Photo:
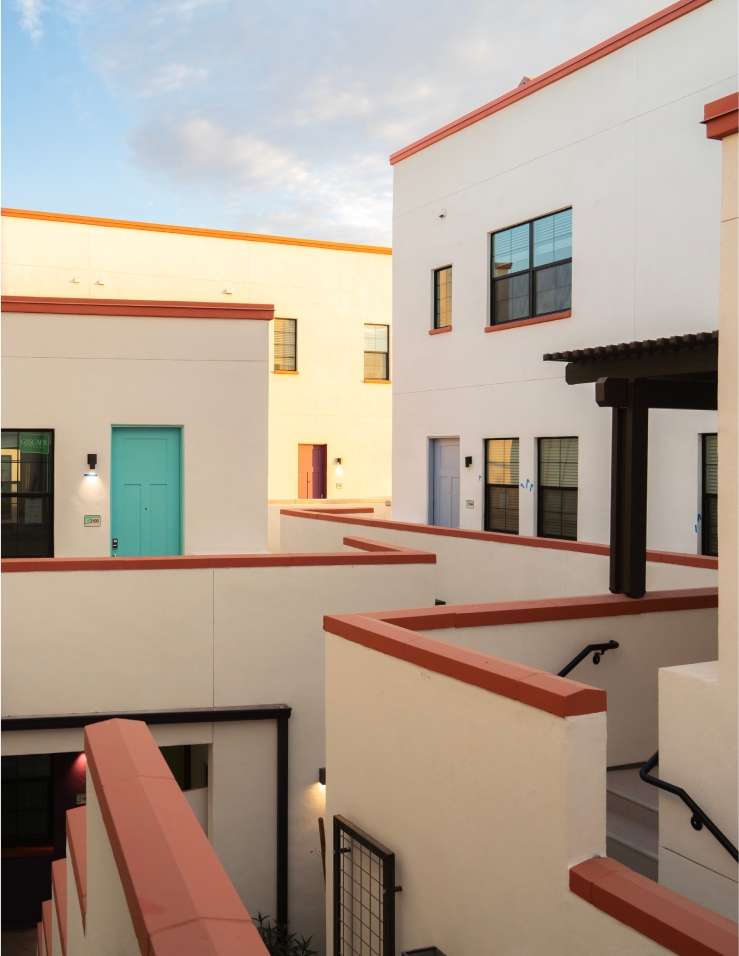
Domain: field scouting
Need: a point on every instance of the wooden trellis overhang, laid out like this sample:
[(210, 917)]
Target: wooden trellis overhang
[(676, 372)]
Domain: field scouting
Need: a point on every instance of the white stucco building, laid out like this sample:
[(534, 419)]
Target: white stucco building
[(595, 166)]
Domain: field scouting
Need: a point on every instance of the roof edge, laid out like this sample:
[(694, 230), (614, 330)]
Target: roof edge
[(192, 230), (635, 32)]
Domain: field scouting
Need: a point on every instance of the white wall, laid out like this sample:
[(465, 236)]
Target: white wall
[(485, 801), (80, 375), (620, 142), (469, 570), (138, 640), (628, 673)]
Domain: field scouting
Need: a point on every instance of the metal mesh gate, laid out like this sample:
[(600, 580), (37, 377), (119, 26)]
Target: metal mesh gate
[(364, 893)]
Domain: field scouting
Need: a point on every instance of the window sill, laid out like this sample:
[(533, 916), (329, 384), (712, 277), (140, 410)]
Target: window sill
[(535, 321), (444, 328), (377, 381), (280, 371)]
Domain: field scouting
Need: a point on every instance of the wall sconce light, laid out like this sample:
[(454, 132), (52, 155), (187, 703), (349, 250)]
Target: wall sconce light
[(338, 461), (322, 776), (467, 461), (92, 461)]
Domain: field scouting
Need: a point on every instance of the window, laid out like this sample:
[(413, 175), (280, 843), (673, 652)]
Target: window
[(27, 493), (376, 339), (501, 492), (189, 764), (532, 269), (27, 801), (709, 519), (558, 488), (286, 345), (442, 297)]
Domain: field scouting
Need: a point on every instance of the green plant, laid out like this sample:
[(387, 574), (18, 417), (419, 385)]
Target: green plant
[(280, 941)]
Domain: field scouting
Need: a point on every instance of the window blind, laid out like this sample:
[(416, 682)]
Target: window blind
[(376, 346), (558, 488), (502, 497), (286, 333)]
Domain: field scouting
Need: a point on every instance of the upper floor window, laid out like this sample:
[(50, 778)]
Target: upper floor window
[(27, 493), (501, 480), (442, 297), (532, 269), (286, 345), (376, 352)]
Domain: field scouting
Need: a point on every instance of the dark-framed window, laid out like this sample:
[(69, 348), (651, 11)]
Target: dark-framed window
[(286, 345), (189, 764), (27, 804), (709, 519), (531, 269), (27, 493), (442, 297), (501, 485), (557, 498), (376, 352)]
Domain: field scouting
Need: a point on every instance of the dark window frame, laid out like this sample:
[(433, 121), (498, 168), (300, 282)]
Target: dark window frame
[(274, 358), (707, 498), (386, 377), (489, 485), (49, 495), (531, 270), (43, 840), (437, 283), (541, 487)]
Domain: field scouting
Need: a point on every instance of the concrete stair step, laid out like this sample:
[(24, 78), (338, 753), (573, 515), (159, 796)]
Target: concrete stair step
[(632, 821)]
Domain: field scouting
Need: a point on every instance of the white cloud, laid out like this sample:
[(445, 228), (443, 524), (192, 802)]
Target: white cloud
[(30, 11)]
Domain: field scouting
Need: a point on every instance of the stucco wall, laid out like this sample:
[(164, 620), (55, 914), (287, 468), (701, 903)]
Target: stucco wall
[(628, 674), (469, 570), (137, 640), (620, 142), (485, 801), (331, 292), (82, 374)]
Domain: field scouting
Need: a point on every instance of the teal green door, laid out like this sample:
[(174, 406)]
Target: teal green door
[(146, 491)]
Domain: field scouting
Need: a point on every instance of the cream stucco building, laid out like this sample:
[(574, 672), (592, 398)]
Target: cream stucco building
[(327, 400)]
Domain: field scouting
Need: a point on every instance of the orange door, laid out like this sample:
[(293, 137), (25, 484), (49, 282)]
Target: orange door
[(311, 471)]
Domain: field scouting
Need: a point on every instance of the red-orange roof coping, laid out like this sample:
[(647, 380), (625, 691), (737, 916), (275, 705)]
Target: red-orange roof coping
[(77, 844), (383, 554), (721, 117), (393, 633), (520, 540), (47, 916), (641, 29), (191, 231), (178, 894), (148, 308), (660, 914), (59, 895)]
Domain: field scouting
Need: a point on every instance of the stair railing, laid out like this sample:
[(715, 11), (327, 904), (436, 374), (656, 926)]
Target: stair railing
[(699, 819), (598, 649)]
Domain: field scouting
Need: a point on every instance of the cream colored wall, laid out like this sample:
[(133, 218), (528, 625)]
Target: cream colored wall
[(485, 801), (81, 374), (139, 640), (628, 674), (698, 704), (469, 570), (331, 293)]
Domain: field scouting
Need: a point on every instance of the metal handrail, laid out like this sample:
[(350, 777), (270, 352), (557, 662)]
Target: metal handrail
[(699, 818), (599, 649)]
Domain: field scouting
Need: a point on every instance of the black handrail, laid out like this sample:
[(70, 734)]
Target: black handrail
[(699, 817), (599, 649)]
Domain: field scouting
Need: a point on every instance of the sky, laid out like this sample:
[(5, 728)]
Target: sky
[(272, 117)]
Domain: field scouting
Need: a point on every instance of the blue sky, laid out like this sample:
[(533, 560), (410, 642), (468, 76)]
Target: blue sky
[(268, 117)]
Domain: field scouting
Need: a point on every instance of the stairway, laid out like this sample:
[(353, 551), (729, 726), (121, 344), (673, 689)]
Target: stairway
[(632, 821)]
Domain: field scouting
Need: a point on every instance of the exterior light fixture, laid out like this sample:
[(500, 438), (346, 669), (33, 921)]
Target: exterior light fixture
[(338, 461), (467, 461), (92, 461), (322, 776), (228, 291), (76, 280), (101, 282)]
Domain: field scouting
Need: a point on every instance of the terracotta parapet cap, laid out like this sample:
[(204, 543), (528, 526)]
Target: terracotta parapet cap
[(59, 888), (77, 848)]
